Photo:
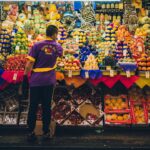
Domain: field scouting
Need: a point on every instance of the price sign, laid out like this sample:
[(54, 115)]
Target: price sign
[(111, 73), (15, 77), (125, 53), (86, 74), (17, 47), (147, 74), (128, 74), (106, 53), (29, 15), (29, 37), (77, 39), (29, 8), (13, 33), (70, 73), (108, 67), (58, 37), (140, 48)]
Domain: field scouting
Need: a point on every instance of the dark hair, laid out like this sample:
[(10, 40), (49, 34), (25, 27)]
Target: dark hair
[(51, 30)]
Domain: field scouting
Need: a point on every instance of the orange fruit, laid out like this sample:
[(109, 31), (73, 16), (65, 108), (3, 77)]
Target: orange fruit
[(114, 116), (119, 100), (108, 117), (120, 118), (125, 116)]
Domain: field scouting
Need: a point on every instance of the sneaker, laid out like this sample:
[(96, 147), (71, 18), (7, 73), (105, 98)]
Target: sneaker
[(46, 136), (31, 137)]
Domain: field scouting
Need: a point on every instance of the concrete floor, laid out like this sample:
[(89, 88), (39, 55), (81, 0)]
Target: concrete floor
[(77, 138)]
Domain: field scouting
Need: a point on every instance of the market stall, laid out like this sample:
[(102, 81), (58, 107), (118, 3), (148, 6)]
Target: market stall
[(104, 75)]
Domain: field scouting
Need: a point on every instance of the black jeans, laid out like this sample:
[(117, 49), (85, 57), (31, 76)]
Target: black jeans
[(43, 95)]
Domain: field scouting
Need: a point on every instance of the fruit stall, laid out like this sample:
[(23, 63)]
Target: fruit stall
[(103, 78)]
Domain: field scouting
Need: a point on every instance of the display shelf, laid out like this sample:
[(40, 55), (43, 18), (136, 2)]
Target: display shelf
[(72, 73), (94, 40), (110, 11)]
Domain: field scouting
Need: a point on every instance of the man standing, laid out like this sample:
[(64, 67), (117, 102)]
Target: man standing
[(41, 61)]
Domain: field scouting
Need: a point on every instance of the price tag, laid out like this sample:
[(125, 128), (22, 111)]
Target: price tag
[(29, 37), (29, 16), (111, 73), (77, 39), (70, 73), (86, 74), (58, 37), (125, 53), (147, 74), (108, 67), (106, 53), (17, 47), (128, 74), (140, 48), (15, 77), (29, 8), (13, 33)]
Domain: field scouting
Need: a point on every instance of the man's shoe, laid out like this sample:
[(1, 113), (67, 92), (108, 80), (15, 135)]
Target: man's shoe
[(31, 137), (46, 136)]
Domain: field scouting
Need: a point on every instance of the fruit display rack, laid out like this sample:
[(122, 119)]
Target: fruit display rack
[(117, 110), (77, 108), (9, 106)]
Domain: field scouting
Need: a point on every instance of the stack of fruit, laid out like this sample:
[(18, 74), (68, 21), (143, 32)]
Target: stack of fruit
[(116, 103), (15, 62), (20, 43), (139, 113), (118, 118), (62, 34), (122, 51), (144, 63), (148, 112), (117, 109), (144, 25), (36, 24), (105, 49), (123, 34), (93, 37), (5, 44), (147, 45), (85, 51), (79, 36), (110, 34), (135, 94), (91, 63), (70, 46), (127, 64), (69, 63)]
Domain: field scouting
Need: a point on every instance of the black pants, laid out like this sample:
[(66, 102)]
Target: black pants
[(43, 95)]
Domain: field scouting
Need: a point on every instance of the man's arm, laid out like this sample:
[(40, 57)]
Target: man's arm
[(28, 67)]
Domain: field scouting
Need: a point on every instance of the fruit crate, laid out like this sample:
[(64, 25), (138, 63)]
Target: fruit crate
[(147, 107), (9, 105), (68, 105), (118, 118), (117, 110), (116, 104), (139, 113)]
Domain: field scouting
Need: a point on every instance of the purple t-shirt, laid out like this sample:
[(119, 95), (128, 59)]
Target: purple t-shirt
[(45, 54)]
